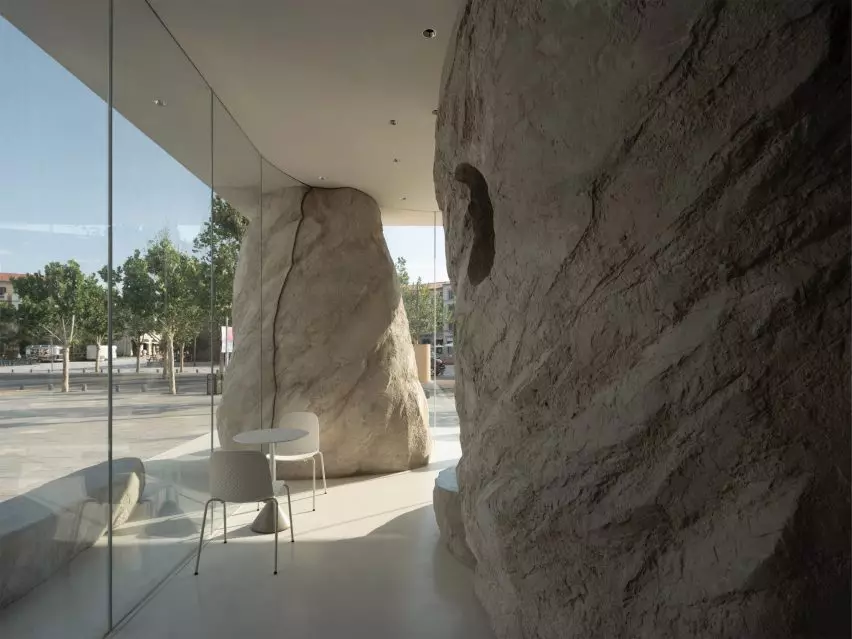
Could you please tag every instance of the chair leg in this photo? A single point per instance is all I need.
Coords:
(314, 476)
(324, 484)
(290, 512)
(201, 536)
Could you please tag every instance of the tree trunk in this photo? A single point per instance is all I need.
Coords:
(66, 359)
(98, 356)
(138, 352)
(171, 363)
(182, 347)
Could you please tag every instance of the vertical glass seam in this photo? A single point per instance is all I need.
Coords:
(213, 378)
(110, 47)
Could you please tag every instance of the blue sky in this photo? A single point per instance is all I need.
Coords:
(53, 167)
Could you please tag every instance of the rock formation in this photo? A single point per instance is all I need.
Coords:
(319, 325)
(646, 207)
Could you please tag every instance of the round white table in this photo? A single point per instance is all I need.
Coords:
(265, 520)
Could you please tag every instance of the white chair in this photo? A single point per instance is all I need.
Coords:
(304, 449)
(241, 476)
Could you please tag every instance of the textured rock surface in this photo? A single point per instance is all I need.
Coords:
(319, 325)
(447, 505)
(45, 528)
(646, 207)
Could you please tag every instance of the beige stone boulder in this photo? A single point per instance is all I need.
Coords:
(319, 326)
(646, 208)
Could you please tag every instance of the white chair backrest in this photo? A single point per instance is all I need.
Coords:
(240, 476)
(304, 421)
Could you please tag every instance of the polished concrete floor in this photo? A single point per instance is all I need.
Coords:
(367, 563)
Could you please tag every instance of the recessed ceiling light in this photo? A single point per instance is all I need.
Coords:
(429, 33)
(403, 198)
(159, 102)
(321, 177)
(396, 160)
(393, 123)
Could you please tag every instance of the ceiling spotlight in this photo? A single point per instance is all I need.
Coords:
(429, 33)
(396, 160)
(159, 102)
(321, 177)
(393, 122)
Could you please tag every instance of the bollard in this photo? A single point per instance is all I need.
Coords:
(31, 370)
(117, 388)
(22, 387)
(50, 387)
(196, 370)
(13, 371)
(84, 388)
(144, 388)
(117, 371)
(84, 371)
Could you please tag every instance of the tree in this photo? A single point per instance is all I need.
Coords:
(176, 276)
(419, 302)
(94, 318)
(54, 302)
(10, 333)
(136, 305)
(218, 247)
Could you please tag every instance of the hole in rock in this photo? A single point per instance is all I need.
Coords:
(480, 216)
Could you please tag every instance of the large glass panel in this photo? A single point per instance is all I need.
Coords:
(54, 497)
(418, 252)
(236, 311)
(163, 240)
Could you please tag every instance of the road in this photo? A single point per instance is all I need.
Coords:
(39, 376)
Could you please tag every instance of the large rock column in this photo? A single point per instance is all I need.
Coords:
(319, 326)
(646, 207)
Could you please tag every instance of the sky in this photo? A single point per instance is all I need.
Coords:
(53, 177)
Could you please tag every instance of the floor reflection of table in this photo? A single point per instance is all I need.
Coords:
(265, 520)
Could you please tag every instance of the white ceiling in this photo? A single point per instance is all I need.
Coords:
(314, 84)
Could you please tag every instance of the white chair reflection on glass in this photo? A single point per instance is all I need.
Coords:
(241, 476)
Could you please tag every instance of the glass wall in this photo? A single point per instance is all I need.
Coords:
(162, 242)
(54, 475)
(429, 300)
(124, 206)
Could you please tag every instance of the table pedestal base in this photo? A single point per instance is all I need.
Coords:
(264, 523)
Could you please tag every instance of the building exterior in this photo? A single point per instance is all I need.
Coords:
(7, 288)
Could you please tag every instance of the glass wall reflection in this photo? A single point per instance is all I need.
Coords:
(54, 496)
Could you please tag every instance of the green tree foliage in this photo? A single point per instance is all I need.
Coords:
(93, 317)
(218, 246)
(176, 277)
(136, 307)
(52, 305)
(421, 305)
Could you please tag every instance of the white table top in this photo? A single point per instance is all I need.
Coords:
(270, 436)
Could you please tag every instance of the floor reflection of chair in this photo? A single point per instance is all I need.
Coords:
(240, 476)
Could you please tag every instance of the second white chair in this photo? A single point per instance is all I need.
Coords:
(304, 449)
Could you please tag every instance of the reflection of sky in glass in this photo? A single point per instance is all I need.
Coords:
(53, 189)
